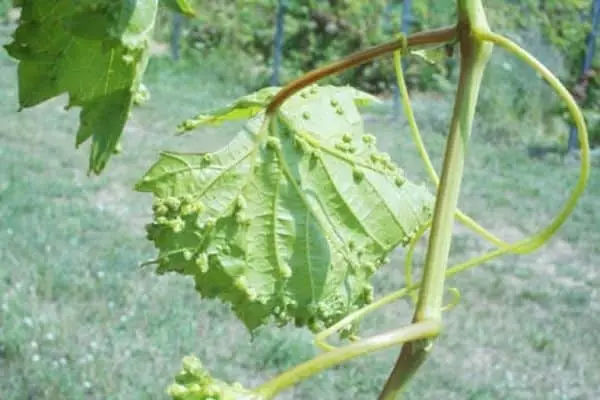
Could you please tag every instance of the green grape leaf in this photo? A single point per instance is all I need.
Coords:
(180, 6)
(193, 382)
(94, 50)
(292, 217)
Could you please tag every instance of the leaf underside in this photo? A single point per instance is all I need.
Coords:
(290, 220)
(94, 50)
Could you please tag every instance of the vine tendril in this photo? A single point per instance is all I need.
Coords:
(416, 136)
(523, 246)
(455, 300)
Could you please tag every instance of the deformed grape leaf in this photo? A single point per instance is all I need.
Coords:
(292, 217)
(94, 50)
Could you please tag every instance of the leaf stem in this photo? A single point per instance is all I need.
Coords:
(416, 136)
(418, 40)
(415, 331)
(532, 243)
(474, 56)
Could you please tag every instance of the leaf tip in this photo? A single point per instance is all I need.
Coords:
(142, 184)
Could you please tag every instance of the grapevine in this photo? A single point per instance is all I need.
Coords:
(289, 221)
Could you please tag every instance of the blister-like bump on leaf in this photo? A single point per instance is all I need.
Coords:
(291, 219)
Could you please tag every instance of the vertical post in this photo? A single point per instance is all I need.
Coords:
(588, 57)
(278, 42)
(176, 35)
(388, 14)
(406, 21)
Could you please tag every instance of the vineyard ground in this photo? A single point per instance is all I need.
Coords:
(80, 320)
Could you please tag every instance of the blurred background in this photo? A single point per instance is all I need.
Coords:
(80, 320)
(560, 33)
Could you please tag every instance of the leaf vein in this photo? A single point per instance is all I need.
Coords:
(347, 206)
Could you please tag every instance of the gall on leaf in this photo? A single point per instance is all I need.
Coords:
(290, 225)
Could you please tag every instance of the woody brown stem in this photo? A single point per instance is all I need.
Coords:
(416, 41)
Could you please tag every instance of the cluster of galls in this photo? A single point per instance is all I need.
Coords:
(378, 161)
(193, 382)
(172, 215)
(176, 222)
(382, 162)
(323, 314)
(307, 92)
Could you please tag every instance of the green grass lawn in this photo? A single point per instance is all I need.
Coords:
(80, 320)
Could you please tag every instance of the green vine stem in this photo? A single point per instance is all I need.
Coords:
(417, 331)
(416, 136)
(474, 56)
(577, 116)
(533, 242)
(562, 92)
(418, 337)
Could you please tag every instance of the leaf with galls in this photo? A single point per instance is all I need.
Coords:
(290, 220)
(93, 50)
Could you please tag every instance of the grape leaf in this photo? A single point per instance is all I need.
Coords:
(94, 50)
(292, 217)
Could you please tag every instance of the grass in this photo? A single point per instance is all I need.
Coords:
(80, 320)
